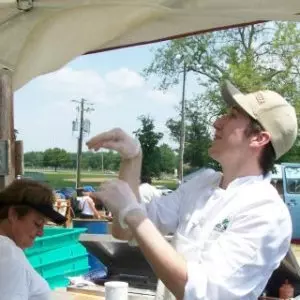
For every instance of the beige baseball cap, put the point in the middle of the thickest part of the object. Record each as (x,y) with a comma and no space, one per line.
(269,109)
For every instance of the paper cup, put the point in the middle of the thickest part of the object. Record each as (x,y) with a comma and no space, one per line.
(116,290)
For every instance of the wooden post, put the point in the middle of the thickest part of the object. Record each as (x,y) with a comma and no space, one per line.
(6,120)
(12,137)
(19,158)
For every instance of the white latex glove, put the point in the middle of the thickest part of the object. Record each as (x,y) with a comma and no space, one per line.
(116,139)
(119,198)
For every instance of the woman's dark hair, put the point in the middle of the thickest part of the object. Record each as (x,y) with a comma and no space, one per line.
(21,211)
(79,192)
(21,192)
(267,157)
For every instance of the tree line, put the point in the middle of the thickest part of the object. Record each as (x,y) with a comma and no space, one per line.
(157,159)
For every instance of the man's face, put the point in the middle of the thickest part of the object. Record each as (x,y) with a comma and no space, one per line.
(27,228)
(230,142)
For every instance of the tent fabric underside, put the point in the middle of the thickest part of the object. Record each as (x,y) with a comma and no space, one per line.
(53,32)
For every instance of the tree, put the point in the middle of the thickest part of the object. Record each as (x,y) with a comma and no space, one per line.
(112,161)
(56,158)
(261,56)
(149,140)
(73,160)
(197,135)
(34,159)
(167,159)
(106,160)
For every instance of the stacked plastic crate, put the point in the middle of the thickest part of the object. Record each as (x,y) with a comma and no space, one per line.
(58,255)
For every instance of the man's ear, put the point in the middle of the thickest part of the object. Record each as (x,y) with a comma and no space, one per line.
(259,140)
(12,214)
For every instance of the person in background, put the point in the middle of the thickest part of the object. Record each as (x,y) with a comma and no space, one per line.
(87,205)
(25,207)
(147,190)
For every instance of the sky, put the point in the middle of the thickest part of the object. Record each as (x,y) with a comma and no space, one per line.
(111,82)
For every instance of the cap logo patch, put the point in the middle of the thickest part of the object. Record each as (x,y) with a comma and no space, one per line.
(260,98)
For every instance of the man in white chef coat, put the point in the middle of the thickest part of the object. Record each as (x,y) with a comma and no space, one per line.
(231,228)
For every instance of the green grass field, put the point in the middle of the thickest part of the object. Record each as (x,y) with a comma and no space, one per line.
(62,179)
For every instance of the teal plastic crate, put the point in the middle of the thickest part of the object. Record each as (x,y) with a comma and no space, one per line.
(54,238)
(55,265)
(62,280)
(58,256)
(64,269)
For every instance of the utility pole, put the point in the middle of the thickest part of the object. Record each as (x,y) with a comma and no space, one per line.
(84,127)
(6,130)
(182,127)
(79,145)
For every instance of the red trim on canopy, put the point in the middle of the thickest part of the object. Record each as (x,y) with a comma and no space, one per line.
(176,36)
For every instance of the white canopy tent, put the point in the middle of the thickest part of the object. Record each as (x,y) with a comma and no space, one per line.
(40,36)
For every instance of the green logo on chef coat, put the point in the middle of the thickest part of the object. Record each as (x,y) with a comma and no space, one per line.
(221,227)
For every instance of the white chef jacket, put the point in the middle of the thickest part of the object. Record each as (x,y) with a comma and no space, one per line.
(233,239)
(18,280)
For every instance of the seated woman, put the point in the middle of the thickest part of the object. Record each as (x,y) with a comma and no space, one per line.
(25,206)
(87,205)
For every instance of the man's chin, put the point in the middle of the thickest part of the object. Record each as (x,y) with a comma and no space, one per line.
(213,154)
